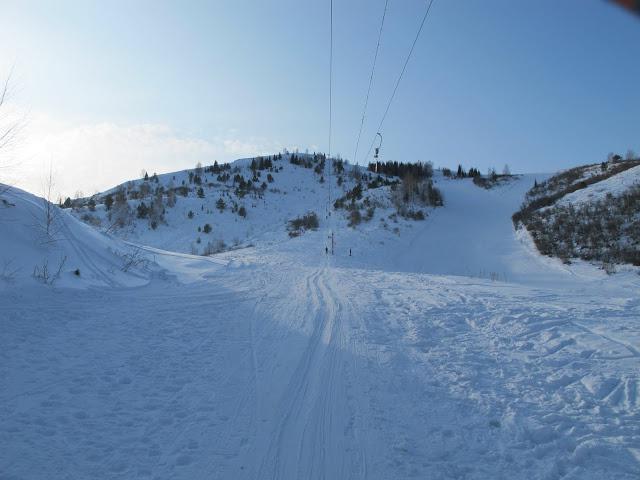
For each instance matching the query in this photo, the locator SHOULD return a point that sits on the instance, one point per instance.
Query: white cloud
(94, 157)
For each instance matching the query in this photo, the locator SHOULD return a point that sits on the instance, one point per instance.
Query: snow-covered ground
(446, 349)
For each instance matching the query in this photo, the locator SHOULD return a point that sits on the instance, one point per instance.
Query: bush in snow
(120, 214)
(298, 225)
(355, 217)
(214, 247)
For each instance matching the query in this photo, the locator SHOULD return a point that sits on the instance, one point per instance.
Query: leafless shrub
(10, 126)
(134, 259)
(8, 272)
(212, 248)
(91, 220)
(47, 276)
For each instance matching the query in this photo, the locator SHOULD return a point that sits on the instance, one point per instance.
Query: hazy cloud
(93, 157)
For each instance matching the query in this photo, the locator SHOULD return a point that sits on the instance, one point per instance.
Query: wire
(404, 67)
(330, 71)
(330, 92)
(373, 67)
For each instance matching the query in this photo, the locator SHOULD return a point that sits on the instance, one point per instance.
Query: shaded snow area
(447, 348)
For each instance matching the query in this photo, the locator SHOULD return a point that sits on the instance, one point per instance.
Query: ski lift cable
(330, 88)
(404, 67)
(328, 158)
(330, 69)
(373, 68)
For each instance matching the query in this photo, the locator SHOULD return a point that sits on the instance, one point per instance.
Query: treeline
(461, 172)
(417, 170)
(308, 161)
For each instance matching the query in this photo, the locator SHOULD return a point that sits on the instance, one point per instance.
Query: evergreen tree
(143, 210)
(108, 201)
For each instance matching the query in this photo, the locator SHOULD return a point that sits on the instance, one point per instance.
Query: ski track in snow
(279, 362)
(328, 373)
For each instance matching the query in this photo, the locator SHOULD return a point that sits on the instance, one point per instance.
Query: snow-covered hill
(438, 348)
(590, 212)
(220, 207)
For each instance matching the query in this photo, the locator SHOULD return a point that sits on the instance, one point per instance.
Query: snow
(446, 349)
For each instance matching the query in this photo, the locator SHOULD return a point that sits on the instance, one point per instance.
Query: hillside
(219, 207)
(590, 213)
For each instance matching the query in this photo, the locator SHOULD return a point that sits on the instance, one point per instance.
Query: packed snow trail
(283, 366)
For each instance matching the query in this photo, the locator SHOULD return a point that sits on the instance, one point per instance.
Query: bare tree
(8, 128)
(49, 221)
(630, 155)
(9, 125)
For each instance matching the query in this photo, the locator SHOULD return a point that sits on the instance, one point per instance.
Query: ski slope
(405, 360)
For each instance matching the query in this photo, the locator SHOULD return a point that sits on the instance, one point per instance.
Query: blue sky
(539, 85)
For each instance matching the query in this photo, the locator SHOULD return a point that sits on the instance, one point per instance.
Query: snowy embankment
(578, 214)
(614, 186)
(399, 361)
(45, 244)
